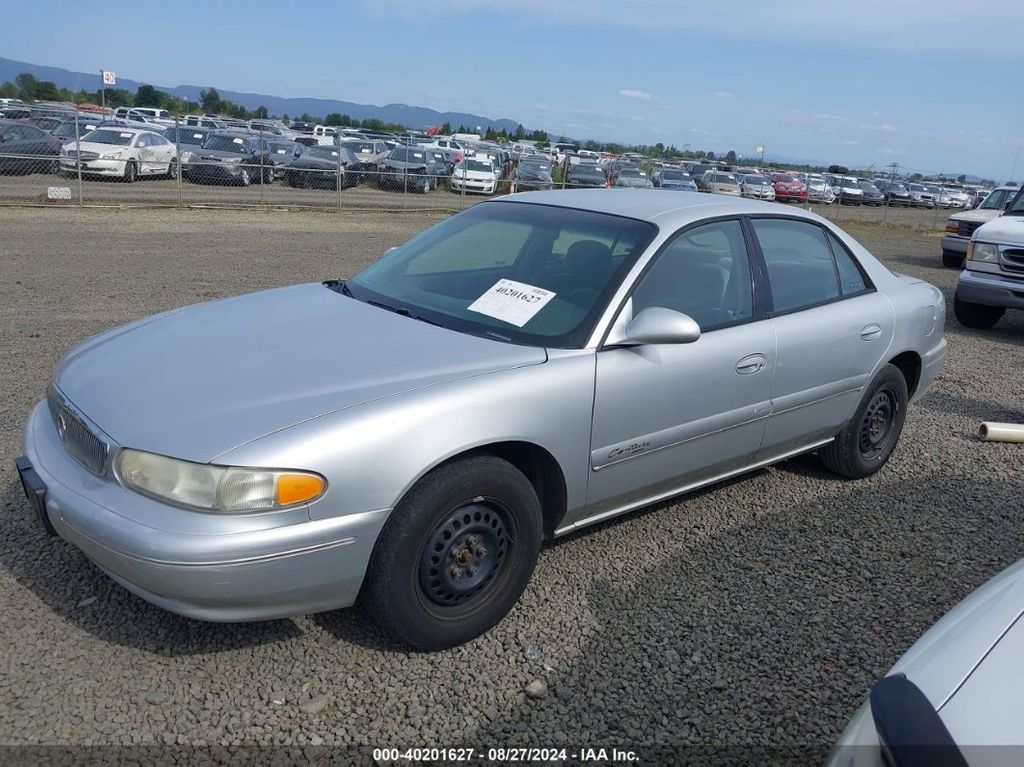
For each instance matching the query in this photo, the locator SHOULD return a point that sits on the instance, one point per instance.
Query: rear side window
(799, 261)
(851, 279)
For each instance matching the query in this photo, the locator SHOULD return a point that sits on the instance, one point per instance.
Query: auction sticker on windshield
(513, 302)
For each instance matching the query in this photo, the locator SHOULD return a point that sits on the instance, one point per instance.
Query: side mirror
(658, 325)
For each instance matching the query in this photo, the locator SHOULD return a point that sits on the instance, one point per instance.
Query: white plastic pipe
(1001, 432)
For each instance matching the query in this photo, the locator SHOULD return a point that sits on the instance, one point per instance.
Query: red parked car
(788, 188)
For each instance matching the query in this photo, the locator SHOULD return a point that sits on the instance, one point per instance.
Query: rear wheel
(976, 315)
(866, 442)
(456, 554)
(952, 260)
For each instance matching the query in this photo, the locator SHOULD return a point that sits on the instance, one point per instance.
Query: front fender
(374, 453)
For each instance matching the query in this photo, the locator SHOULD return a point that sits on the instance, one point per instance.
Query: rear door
(670, 415)
(833, 329)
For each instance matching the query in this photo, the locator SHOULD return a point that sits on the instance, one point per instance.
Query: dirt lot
(756, 613)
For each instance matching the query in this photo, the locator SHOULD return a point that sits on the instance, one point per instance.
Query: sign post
(106, 78)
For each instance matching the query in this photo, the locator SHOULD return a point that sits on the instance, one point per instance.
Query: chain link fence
(90, 160)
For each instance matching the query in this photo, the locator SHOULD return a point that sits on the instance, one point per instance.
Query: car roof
(656, 206)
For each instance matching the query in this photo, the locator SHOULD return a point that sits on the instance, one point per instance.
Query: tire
(172, 169)
(488, 563)
(130, 172)
(426, 186)
(952, 260)
(244, 178)
(977, 316)
(866, 442)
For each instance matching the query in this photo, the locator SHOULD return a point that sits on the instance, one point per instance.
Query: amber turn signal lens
(296, 488)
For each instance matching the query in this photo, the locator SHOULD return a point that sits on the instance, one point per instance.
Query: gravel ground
(756, 613)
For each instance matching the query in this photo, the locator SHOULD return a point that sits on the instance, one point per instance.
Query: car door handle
(871, 332)
(751, 364)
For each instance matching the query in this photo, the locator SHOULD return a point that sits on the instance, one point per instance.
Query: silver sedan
(411, 436)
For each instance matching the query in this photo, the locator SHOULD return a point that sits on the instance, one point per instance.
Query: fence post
(338, 180)
(177, 153)
(78, 160)
(262, 147)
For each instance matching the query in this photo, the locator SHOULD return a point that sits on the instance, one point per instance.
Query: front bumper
(990, 289)
(94, 167)
(206, 566)
(954, 243)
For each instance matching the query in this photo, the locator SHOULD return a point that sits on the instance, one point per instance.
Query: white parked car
(954, 698)
(476, 174)
(124, 152)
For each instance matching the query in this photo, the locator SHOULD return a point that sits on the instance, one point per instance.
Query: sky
(933, 85)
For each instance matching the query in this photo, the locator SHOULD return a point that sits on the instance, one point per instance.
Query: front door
(671, 415)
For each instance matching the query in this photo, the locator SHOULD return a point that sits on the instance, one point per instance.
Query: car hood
(95, 146)
(401, 165)
(476, 175)
(976, 215)
(196, 382)
(216, 154)
(945, 655)
(318, 163)
(1007, 229)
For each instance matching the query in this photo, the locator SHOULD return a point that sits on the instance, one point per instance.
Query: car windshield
(629, 173)
(593, 170)
(672, 175)
(997, 200)
(851, 183)
(755, 180)
(1017, 206)
(223, 143)
(897, 188)
(323, 152)
(405, 154)
(867, 186)
(537, 275)
(477, 165)
(116, 137)
(67, 129)
(724, 178)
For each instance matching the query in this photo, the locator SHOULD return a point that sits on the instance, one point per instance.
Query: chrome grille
(83, 156)
(1013, 259)
(78, 438)
(966, 228)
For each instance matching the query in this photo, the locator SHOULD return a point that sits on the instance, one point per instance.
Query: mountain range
(402, 114)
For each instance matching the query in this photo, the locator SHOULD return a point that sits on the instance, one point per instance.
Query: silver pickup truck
(961, 226)
(993, 280)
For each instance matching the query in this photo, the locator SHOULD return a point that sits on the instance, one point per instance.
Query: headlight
(186, 157)
(985, 252)
(111, 155)
(216, 488)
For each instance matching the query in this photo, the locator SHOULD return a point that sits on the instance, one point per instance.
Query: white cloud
(632, 93)
(723, 94)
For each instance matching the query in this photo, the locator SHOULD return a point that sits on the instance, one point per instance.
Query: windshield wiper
(401, 310)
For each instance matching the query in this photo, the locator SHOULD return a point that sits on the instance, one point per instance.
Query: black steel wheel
(869, 438)
(465, 553)
(455, 554)
(877, 423)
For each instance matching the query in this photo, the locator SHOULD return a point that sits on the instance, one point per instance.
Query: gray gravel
(754, 613)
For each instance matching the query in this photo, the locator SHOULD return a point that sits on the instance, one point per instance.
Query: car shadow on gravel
(70, 585)
(944, 402)
(768, 635)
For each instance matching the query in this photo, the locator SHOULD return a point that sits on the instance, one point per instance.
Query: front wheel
(977, 316)
(244, 178)
(456, 554)
(866, 442)
(130, 172)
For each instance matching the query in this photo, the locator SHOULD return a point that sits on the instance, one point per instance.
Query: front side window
(578, 256)
(800, 266)
(115, 137)
(704, 273)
